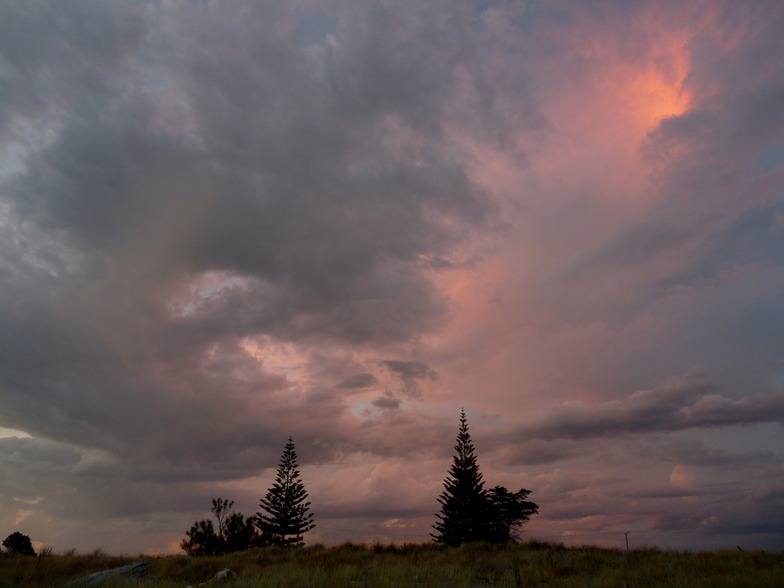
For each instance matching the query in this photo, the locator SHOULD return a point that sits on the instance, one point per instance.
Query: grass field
(428, 565)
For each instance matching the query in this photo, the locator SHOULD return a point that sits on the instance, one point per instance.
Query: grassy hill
(427, 566)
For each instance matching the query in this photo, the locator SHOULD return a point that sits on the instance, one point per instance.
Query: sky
(227, 223)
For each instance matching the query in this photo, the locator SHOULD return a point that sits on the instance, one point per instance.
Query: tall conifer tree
(287, 517)
(464, 501)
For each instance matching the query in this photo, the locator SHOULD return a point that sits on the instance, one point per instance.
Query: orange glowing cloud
(562, 189)
(650, 96)
(624, 98)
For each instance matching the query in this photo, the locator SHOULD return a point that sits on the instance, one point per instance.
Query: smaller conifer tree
(285, 517)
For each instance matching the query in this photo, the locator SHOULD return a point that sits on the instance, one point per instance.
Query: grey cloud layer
(316, 178)
(684, 403)
(221, 224)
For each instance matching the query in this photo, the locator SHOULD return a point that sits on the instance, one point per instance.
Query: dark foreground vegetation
(471, 565)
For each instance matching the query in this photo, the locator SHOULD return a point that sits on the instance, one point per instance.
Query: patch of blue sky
(314, 28)
(481, 5)
(12, 160)
(771, 157)
(760, 439)
(27, 138)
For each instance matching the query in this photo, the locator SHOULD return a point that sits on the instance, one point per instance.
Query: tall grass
(420, 566)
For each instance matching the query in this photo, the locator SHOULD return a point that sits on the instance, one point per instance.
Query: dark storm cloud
(250, 157)
(541, 451)
(641, 244)
(359, 381)
(53, 53)
(684, 403)
(74, 483)
(697, 454)
(387, 401)
(409, 370)
(36, 455)
(276, 188)
(641, 443)
(753, 513)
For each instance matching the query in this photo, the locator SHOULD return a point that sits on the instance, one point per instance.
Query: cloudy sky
(224, 223)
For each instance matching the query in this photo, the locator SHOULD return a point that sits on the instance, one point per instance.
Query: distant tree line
(469, 512)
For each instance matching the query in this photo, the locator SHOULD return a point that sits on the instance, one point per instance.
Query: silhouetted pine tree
(287, 517)
(464, 502)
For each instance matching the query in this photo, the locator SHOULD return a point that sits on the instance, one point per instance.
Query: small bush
(18, 544)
